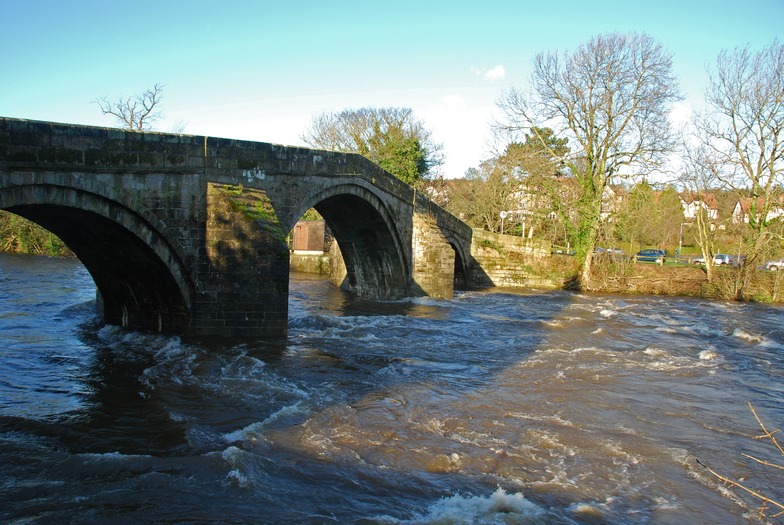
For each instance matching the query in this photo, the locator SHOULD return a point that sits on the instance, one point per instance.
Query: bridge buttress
(244, 276)
(433, 262)
(441, 253)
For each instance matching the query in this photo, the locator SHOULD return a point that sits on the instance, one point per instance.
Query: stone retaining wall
(500, 261)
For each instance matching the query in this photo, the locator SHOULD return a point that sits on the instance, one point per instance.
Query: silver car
(774, 265)
(718, 260)
(722, 258)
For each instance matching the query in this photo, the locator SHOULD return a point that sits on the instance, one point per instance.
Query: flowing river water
(496, 406)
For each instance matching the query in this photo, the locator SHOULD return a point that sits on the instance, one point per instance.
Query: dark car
(657, 256)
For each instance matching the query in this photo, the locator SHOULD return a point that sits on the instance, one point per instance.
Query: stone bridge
(188, 234)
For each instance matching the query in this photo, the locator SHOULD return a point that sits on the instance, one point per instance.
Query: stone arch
(462, 258)
(142, 282)
(461, 268)
(369, 239)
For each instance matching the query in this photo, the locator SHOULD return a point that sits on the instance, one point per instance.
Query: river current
(497, 407)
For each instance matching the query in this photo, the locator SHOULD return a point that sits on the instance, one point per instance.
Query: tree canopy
(611, 97)
(741, 137)
(391, 137)
(540, 155)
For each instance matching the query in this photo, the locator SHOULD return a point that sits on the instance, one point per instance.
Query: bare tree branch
(744, 131)
(136, 113)
(766, 500)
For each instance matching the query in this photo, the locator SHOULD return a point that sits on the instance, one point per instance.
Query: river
(497, 406)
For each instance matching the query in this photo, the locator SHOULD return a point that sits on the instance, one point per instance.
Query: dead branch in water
(767, 502)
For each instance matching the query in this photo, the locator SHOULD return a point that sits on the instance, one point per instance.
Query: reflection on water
(493, 407)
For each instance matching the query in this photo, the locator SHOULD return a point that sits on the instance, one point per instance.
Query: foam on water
(253, 432)
(769, 343)
(161, 346)
(427, 301)
(359, 328)
(243, 366)
(236, 460)
(499, 508)
(709, 355)
(746, 336)
(656, 352)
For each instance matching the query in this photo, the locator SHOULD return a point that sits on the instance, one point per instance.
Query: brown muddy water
(494, 407)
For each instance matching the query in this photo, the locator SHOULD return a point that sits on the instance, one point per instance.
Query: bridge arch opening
(372, 258)
(139, 282)
(461, 272)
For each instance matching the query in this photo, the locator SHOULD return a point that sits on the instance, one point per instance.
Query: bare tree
(743, 130)
(136, 113)
(611, 98)
(482, 195)
(769, 506)
(700, 176)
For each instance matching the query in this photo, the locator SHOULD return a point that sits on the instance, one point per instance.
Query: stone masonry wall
(244, 283)
(154, 185)
(434, 259)
(500, 261)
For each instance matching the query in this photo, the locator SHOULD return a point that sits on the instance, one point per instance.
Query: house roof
(709, 199)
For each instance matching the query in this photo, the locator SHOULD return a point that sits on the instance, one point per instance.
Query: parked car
(611, 252)
(657, 256)
(718, 260)
(722, 258)
(777, 264)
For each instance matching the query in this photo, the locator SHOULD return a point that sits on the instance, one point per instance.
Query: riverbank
(612, 276)
(559, 272)
(18, 235)
(683, 280)
(504, 261)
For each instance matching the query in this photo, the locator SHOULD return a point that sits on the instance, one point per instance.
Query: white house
(742, 211)
(692, 206)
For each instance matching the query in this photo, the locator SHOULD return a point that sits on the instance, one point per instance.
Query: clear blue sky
(260, 70)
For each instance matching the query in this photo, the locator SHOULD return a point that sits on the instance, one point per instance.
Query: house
(611, 204)
(692, 204)
(742, 211)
